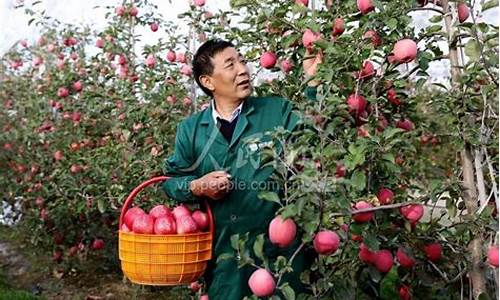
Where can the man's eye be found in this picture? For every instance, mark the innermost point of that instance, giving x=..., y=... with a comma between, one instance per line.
x=230, y=65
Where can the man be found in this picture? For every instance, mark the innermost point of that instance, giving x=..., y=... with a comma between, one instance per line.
x=217, y=155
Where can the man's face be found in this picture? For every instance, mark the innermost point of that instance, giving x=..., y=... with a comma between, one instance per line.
x=230, y=78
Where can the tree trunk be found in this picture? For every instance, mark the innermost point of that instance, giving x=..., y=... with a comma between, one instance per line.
x=470, y=195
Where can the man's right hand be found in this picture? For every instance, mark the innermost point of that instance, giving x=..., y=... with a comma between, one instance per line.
x=214, y=185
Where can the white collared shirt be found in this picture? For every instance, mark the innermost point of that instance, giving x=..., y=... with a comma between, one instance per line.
x=234, y=115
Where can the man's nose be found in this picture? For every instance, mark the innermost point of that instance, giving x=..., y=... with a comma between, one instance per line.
x=242, y=69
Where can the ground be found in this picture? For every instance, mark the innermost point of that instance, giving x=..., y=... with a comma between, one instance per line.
x=28, y=273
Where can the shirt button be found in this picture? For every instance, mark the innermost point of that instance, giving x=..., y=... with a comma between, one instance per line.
x=233, y=218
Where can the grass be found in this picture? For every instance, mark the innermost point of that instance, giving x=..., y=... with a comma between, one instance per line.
x=90, y=277
x=8, y=293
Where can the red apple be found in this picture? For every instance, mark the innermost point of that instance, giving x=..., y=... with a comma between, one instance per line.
x=463, y=12
x=122, y=59
x=262, y=283
x=433, y=251
x=171, y=99
x=405, y=50
x=385, y=196
x=73, y=251
x=186, y=70
x=405, y=124
x=286, y=65
x=58, y=155
x=186, y=224
x=77, y=86
x=201, y=220
x=338, y=27
x=187, y=101
x=365, y=254
x=194, y=286
x=160, y=211
x=356, y=103
x=309, y=37
x=120, y=10
x=133, y=11
x=97, y=244
x=62, y=92
x=365, y=6
x=57, y=256
x=154, y=27
x=363, y=132
x=404, y=259
x=150, y=61
x=131, y=215
x=362, y=217
x=367, y=70
x=302, y=2
x=39, y=202
x=165, y=225
x=282, y=233
x=268, y=60
x=37, y=61
x=75, y=168
x=326, y=242
x=404, y=292
x=181, y=57
x=493, y=256
x=340, y=170
x=171, y=56
x=412, y=212
x=143, y=224
x=393, y=97
x=99, y=43
x=383, y=260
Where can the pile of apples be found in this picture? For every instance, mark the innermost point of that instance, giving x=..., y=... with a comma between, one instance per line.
x=162, y=220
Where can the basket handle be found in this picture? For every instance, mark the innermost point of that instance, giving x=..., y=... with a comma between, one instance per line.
x=149, y=182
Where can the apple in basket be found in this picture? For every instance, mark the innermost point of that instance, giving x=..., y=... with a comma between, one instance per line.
x=186, y=224
x=131, y=215
x=143, y=224
x=181, y=210
x=160, y=211
x=165, y=225
x=201, y=219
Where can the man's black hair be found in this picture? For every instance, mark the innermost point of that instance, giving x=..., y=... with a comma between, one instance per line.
x=202, y=64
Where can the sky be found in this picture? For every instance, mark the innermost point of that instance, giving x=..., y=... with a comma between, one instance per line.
x=14, y=23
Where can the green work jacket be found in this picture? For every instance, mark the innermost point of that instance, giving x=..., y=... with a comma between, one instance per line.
x=200, y=148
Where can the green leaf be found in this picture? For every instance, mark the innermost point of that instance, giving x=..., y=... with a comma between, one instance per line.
x=224, y=256
x=270, y=196
x=258, y=247
x=234, y=241
x=389, y=157
x=472, y=50
x=436, y=19
x=371, y=242
x=490, y=4
x=287, y=291
x=100, y=205
x=280, y=263
x=358, y=180
x=289, y=211
x=388, y=285
x=390, y=132
x=483, y=296
x=392, y=23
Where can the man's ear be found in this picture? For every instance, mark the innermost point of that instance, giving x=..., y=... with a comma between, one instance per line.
x=206, y=81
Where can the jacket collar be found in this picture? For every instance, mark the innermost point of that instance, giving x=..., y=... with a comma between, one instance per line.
x=241, y=125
